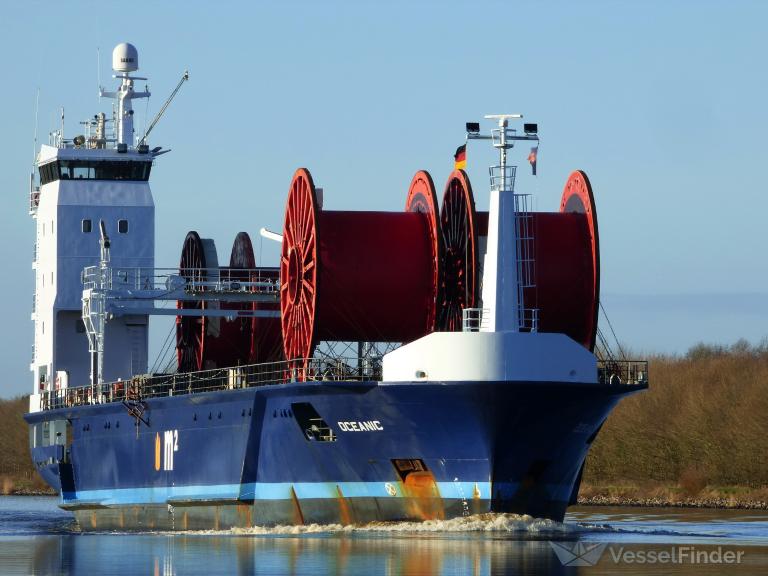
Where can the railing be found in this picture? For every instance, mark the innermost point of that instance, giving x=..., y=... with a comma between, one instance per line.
x=476, y=319
x=154, y=386
x=472, y=319
x=34, y=200
x=503, y=178
x=614, y=373
x=529, y=319
x=622, y=372
x=263, y=280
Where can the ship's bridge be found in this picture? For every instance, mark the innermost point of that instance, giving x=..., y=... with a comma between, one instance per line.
x=93, y=164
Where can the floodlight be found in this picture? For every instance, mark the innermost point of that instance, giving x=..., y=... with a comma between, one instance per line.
x=530, y=128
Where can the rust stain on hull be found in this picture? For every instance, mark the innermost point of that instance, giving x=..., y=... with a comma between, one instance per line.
x=423, y=496
x=344, y=513
x=245, y=515
x=298, y=516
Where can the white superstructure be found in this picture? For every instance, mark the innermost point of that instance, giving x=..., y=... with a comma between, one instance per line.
x=83, y=181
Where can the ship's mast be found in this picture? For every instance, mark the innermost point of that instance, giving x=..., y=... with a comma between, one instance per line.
x=125, y=59
x=508, y=265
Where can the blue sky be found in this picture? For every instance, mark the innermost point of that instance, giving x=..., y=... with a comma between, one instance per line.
x=663, y=104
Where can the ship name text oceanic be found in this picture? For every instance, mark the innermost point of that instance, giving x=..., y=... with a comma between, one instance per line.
x=367, y=426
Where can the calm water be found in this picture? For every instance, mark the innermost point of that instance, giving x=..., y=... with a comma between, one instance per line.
x=38, y=538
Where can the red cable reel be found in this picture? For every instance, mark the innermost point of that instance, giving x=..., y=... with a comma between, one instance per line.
x=358, y=276
x=207, y=342
x=246, y=339
x=197, y=257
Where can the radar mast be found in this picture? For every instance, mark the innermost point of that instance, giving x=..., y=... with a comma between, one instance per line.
x=125, y=59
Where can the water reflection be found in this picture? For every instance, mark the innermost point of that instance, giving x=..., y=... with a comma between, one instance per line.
x=172, y=555
x=36, y=538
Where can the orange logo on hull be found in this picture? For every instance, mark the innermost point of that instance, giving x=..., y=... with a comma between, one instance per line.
x=157, y=452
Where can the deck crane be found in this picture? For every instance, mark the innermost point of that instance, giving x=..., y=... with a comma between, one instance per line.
x=159, y=115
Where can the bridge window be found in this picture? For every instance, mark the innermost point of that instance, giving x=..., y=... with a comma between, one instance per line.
x=87, y=226
x=48, y=173
x=95, y=170
x=122, y=226
x=80, y=172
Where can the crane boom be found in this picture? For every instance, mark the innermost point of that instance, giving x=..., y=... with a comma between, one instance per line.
x=159, y=115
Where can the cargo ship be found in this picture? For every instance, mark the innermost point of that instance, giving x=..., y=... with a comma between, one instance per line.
x=430, y=363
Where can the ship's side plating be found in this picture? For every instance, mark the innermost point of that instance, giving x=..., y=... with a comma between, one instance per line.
x=405, y=450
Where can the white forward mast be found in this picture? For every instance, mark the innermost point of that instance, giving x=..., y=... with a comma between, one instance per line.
x=509, y=258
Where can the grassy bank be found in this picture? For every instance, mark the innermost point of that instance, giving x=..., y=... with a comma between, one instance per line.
x=699, y=433
x=650, y=493
x=17, y=475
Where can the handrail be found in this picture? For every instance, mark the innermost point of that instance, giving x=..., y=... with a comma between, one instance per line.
x=147, y=386
x=262, y=280
x=139, y=388
x=622, y=372
x=472, y=319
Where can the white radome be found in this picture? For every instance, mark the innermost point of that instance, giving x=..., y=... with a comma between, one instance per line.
x=125, y=58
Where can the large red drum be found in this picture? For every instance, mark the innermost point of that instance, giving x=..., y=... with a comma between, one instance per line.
x=198, y=258
x=208, y=342
x=358, y=276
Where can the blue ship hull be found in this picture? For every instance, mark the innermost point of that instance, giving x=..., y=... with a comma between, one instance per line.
x=327, y=452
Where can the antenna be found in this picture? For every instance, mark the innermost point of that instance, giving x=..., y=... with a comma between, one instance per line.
x=34, y=136
x=98, y=70
x=34, y=197
x=503, y=118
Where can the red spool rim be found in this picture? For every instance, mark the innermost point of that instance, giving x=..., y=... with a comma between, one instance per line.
x=299, y=251
x=578, y=197
x=457, y=223
x=423, y=198
x=242, y=256
x=190, y=330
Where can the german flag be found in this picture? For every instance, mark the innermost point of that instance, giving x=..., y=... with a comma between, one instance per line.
x=460, y=158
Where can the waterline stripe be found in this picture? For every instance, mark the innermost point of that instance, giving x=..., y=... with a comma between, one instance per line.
x=269, y=491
